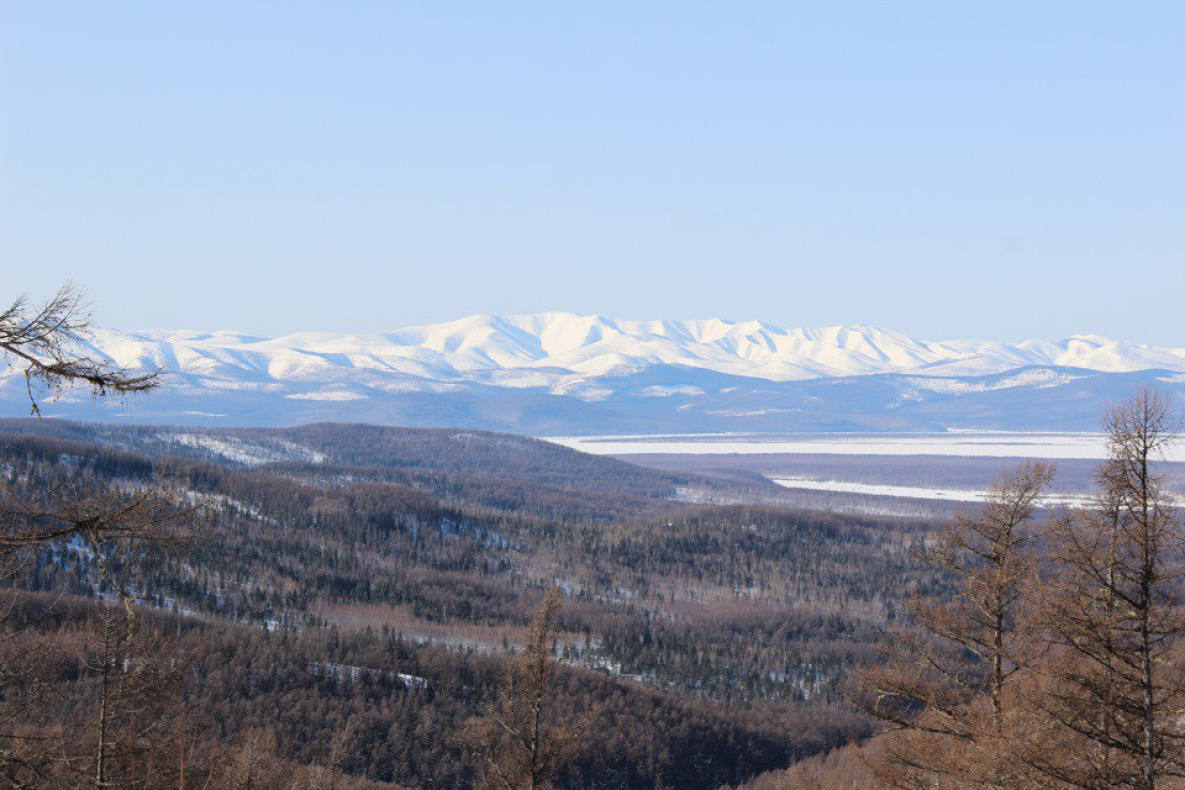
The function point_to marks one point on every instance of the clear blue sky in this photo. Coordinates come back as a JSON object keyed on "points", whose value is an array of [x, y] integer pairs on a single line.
{"points": [[951, 169]]}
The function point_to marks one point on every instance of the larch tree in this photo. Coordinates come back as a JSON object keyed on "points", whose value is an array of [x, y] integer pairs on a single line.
{"points": [[47, 344], [1115, 681], [518, 743], [132, 737], [946, 689]]}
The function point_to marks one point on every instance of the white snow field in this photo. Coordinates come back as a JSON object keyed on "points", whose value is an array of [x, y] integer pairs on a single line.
{"points": [[916, 492], [1088, 446]]}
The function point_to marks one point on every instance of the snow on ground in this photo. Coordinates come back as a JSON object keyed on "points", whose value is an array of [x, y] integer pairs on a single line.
{"points": [[244, 452], [914, 492], [1039, 379], [967, 444], [331, 395], [666, 392]]}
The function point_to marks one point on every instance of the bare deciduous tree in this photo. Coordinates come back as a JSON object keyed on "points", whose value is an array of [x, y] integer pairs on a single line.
{"points": [[134, 708], [1068, 675], [48, 342], [247, 767]]}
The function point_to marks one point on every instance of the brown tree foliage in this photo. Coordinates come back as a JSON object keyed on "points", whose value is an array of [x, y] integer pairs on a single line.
{"points": [[946, 686], [1114, 685], [1059, 662], [48, 343], [518, 741], [97, 708]]}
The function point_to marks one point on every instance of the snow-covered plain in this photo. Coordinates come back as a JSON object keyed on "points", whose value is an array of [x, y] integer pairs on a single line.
{"points": [[953, 446], [1090, 446], [915, 492]]}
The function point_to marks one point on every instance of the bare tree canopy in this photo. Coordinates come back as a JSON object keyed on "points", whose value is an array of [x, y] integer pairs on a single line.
{"points": [[947, 687], [521, 748], [1059, 660], [47, 341], [1114, 614]]}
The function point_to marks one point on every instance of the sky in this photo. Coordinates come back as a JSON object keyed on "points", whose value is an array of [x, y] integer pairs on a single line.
{"points": [[995, 170]]}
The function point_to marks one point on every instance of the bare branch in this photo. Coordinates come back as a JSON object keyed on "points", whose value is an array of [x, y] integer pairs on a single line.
{"points": [[48, 343]]}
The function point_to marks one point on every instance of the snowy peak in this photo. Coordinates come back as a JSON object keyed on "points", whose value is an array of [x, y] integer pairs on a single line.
{"points": [[528, 347], [555, 373]]}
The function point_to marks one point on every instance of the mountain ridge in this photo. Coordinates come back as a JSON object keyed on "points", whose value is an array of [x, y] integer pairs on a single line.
{"points": [[546, 372], [570, 340]]}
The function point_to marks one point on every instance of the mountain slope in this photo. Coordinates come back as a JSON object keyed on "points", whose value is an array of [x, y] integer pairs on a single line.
{"points": [[565, 373], [523, 350]]}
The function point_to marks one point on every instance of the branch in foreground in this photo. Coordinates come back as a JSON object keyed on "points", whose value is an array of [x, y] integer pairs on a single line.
{"points": [[48, 341]]}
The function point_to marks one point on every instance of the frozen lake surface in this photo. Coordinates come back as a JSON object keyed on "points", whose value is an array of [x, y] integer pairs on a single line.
{"points": [[1089, 446]]}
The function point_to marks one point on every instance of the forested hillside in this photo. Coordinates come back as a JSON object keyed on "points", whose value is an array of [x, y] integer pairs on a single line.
{"points": [[503, 471], [375, 579]]}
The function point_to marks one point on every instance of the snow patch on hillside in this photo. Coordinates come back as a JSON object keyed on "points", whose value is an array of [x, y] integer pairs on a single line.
{"points": [[1042, 378], [328, 396], [666, 392], [244, 452]]}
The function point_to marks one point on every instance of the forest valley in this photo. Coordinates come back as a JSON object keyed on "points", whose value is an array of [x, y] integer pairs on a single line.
{"points": [[349, 606]]}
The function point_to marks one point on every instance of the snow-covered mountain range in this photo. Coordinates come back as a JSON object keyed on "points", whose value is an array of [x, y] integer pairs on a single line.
{"points": [[565, 373]]}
